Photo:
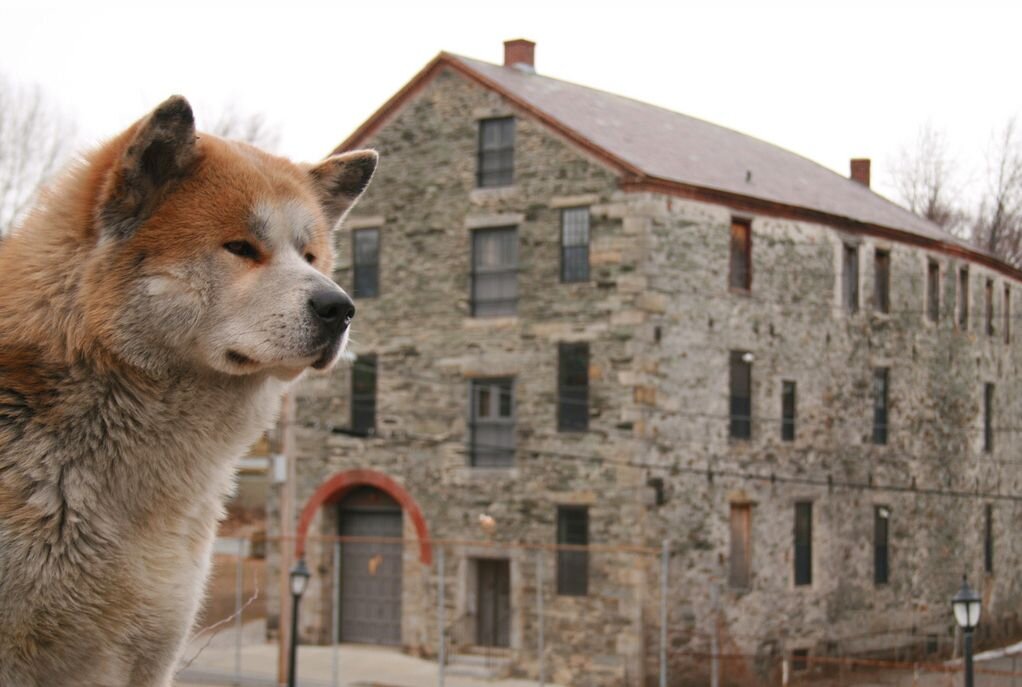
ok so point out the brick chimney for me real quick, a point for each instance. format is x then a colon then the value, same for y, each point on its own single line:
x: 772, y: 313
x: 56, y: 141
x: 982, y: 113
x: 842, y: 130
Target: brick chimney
x: 860, y: 170
x: 520, y: 53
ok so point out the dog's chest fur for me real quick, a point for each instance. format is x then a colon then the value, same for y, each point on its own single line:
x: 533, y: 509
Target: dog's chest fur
x: 110, y: 493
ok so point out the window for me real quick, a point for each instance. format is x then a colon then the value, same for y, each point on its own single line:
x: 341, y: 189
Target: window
x: 882, y: 281
x: 787, y: 410
x: 572, y: 387
x: 741, y: 545
x: 881, y: 550
x: 741, y: 395
x: 933, y: 290
x: 572, y: 564
x: 988, y: 539
x: 492, y: 423
x: 363, y: 395
x: 803, y: 543
x: 880, y: 394
x: 850, y: 278
x: 988, y: 413
x: 575, y: 244
x: 366, y: 263
x: 496, y: 152
x: 963, y: 298
x: 1007, y: 314
x: 494, y: 272
x: 741, y: 255
x: 988, y: 294
x: 799, y: 660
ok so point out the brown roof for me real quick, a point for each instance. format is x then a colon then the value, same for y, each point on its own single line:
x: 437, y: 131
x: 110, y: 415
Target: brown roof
x: 657, y: 149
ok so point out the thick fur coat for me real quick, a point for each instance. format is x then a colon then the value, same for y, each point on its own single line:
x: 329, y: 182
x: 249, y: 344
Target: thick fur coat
x: 153, y: 308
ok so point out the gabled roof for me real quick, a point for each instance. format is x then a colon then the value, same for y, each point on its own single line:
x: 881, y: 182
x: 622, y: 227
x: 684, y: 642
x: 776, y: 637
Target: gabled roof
x: 660, y: 150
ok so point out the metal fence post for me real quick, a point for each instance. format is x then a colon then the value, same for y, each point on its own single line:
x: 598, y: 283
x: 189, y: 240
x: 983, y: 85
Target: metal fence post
x: 539, y: 616
x: 442, y: 658
x: 239, y: 583
x: 664, y: 565
x: 335, y: 620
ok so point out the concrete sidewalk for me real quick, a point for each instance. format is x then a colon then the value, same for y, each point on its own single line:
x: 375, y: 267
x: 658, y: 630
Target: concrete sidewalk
x: 359, y: 666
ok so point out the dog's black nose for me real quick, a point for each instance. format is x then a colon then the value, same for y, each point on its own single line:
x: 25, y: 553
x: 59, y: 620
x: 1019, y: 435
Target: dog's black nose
x: 332, y: 307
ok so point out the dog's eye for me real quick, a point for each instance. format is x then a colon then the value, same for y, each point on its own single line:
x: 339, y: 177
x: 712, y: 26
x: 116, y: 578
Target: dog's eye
x: 310, y: 258
x: 243, y: 249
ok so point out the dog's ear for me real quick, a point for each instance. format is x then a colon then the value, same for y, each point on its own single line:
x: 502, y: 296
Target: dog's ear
x: 160, y: 151
x: 340, y: 180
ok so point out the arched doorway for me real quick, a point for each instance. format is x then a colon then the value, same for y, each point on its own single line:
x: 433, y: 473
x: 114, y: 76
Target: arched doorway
x: 371, y: 570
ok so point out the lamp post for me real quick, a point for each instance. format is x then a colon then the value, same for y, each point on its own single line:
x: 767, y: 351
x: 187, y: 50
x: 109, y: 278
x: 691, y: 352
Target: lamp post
x: 299, y: 580
x: 966, y: 605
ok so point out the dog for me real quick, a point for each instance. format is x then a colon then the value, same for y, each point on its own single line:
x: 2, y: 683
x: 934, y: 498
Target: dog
x: 155, y: 304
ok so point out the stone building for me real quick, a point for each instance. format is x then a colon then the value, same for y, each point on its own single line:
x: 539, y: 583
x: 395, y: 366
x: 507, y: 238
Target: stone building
x: 600, y: 322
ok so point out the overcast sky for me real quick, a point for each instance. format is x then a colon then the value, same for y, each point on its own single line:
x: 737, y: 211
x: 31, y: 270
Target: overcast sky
x: 828, y: 80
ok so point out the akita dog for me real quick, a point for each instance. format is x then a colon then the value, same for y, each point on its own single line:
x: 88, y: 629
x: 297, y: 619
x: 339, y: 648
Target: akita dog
x: 153, y: 308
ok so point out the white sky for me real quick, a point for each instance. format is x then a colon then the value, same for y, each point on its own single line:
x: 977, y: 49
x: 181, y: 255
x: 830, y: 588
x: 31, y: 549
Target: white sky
x: 829, y: 80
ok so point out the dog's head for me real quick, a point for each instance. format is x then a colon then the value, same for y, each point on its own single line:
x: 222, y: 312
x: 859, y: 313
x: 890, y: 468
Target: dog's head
x: 212, y: 253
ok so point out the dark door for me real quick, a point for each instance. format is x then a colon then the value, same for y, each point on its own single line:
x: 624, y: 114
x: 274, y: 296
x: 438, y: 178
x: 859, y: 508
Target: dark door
x: 370, y: 609
x: 494, y: 597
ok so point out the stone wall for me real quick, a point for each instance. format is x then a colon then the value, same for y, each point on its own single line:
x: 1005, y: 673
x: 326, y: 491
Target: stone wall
x: 661, y: 321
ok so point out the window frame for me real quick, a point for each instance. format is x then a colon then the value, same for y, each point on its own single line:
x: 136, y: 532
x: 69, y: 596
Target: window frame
x: 988, y: 538
x: 740, y: 251
x: 882, y: 286
x: 357, y: 266
x: 495, y: 386
x: 881, y: 405
x: 565, y: 246
x: 932, y: 290
x: 572, y: 400
x: 963, y: 298
x: 988, y: 305
x: 850, y: 277
x: 571, y: 561
x: 740, y: 427
x: 803, y: 551
x: 988, y: 417
x: 788, y: 415
x: 1007, y: 313
x: 740, y: 567
x: 477, y: 272
x: 502, y: 175
x: 881, y: 545
x: 367, y: 409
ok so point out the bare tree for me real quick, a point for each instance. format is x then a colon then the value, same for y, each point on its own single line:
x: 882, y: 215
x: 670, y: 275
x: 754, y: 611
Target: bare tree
x: 926, y: 176
x: 251, y: 128
x: 35, y: 141
x: 998, y: 223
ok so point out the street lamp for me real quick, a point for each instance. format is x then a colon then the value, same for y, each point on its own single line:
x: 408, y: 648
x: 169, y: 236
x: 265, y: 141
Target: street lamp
x: 966, y: 605
x: 299, y: 580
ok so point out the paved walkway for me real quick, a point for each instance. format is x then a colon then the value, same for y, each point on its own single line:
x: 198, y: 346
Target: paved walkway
x: 359, y: 666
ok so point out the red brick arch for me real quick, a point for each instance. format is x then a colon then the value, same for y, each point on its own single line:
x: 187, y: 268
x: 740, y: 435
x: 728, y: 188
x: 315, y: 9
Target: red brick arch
x: 335, y: 488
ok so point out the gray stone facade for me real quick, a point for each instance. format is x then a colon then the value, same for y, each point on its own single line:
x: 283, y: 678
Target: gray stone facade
x: 661, y: 321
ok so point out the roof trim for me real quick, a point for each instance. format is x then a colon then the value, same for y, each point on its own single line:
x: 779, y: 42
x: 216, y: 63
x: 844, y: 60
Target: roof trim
x: 636, y: 180
x: 795, y: 212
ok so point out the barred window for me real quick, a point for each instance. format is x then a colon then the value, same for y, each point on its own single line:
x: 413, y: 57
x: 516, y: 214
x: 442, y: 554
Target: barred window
x: 881, y: 550
x: 366, y: 263
x: 741, y: 395
x: 494, y: 272
x: 363, y: 395
x: 492, y: 424
x: 572, y: 387
x: 787, y: 410
x: 741, y: 255
x: 572, y: 564
x: 803, y: 543
x: 880, y: 398
x: 850, y: 278
x: 933, y: 290
x: 575, y: 244
x: 496, y: 152
x: 882, y: 281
